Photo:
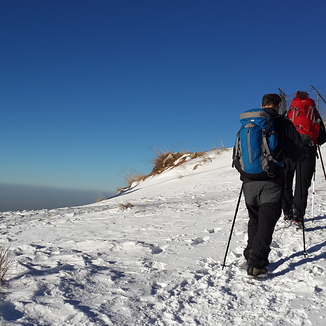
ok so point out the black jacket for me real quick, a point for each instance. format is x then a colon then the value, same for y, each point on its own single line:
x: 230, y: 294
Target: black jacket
x: 290, y: 145
x: 322, y: 132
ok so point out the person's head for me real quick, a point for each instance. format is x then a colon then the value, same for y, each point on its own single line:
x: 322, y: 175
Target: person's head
x: 300, y: 94
x: 271, y: 101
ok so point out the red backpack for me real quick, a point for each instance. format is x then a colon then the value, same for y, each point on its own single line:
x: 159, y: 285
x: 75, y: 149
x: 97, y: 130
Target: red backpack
x: 305, y: 117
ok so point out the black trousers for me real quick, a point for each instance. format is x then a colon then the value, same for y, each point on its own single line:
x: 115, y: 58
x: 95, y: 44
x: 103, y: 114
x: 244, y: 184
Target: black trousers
x: 264, y: 204
x: 297, y: 201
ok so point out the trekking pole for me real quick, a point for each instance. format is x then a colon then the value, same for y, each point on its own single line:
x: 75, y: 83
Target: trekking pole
x: 303, y: 225
x: 304, y: 238
x: 284, y: 101
x: 235, y: 215
x: 313, y: 196
x: 318, y: 94
x: 321, y: 160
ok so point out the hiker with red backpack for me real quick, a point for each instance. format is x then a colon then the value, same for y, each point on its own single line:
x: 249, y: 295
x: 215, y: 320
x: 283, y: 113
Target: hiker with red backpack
x: 305, y: 117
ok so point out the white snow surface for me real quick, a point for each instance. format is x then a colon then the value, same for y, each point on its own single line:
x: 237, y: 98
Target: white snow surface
x: 153, y: 256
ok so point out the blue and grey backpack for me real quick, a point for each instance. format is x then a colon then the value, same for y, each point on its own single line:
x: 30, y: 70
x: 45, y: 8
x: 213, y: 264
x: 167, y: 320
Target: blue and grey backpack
x: 255, y: 143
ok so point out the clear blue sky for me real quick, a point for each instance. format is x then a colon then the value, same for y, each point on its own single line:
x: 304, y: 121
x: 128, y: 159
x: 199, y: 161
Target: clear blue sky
x: 90, y: 89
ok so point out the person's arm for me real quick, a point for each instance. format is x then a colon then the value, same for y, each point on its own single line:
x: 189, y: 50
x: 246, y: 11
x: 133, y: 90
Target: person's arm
x: 322, y: 132
x: 294, y: 149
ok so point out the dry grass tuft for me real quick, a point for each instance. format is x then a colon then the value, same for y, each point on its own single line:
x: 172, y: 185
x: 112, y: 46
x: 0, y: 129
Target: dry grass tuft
x: 134, y: 178
x: 166, y: 160
x: 124, y: 206
x: 4, y: 263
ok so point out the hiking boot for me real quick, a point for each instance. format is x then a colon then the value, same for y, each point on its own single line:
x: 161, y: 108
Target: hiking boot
x: 297, y: 221
x: 288, y: 216
x: 297, y: 224
x: 256, y: 272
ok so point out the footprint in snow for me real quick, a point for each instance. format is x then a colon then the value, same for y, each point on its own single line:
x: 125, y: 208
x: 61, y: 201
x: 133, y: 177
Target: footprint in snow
x: 156, y: 250
x: 199, y: 240
x: 215, y: 230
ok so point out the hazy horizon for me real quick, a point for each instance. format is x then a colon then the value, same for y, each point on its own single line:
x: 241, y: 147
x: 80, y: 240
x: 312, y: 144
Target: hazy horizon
x: 15, y: 197
x: 92, y: 90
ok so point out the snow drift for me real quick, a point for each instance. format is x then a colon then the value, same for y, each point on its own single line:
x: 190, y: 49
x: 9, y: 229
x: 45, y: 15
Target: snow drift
x: 152, y: 256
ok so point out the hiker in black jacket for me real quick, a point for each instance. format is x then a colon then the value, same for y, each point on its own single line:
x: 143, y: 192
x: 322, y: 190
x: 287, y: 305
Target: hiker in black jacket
x: 305, y: 117
x: 263, y: 196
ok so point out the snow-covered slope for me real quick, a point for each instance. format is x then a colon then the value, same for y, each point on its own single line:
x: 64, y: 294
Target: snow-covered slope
x: 153, y: 255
